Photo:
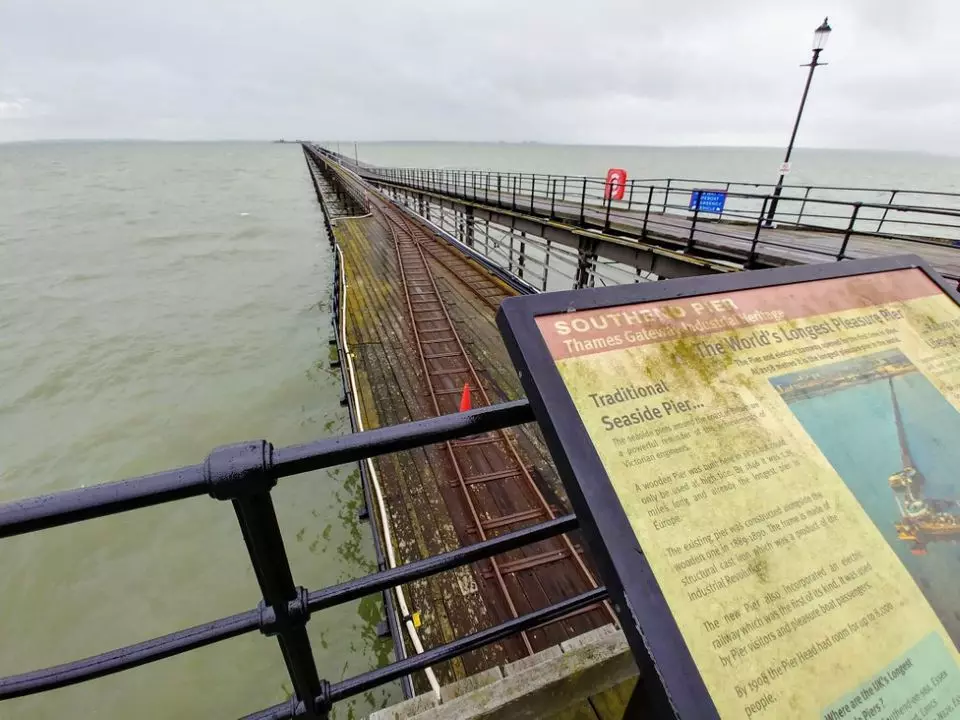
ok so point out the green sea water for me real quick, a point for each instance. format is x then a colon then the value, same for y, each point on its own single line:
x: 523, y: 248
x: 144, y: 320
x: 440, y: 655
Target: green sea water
x: 158, y: 300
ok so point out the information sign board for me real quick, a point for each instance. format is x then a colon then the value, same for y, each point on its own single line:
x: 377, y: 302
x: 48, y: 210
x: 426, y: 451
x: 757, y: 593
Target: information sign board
x: 708, y: 200
x: 765, y: 467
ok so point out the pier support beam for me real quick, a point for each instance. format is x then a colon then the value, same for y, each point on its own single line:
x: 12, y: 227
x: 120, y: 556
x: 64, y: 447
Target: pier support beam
x: 587, y: 263
x: 468, y: 227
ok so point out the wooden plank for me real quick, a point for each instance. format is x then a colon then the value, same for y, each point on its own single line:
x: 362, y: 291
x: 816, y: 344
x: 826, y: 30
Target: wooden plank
x: 612, y: 704
x: 549, y: 688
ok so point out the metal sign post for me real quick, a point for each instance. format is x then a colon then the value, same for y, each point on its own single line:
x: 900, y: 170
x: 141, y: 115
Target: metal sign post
x: 724, y: 442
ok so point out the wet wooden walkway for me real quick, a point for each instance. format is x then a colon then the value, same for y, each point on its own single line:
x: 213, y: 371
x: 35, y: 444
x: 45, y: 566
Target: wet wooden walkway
x: 405, y: 291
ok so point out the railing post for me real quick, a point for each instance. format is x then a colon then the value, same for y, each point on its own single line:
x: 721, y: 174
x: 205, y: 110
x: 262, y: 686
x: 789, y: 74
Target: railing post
x: 533, y: 190
x: 583, y: 200
x: 486, y: 189
x: 666, y: 196
x: 646, y: 214
x: 499, y: 201
x: 521, y: 260
x: 563, y: 194
x: 630, y: 197
x: 606, y: 220
x: 756, y: 234
x: 803, y: 206
x: 893, y: 194
x: 693, y: 225
x: 546, y: 263
x: 553, y: 198
x: 515, y: 192
x: 243, y: 474
x: 587, y: 256
x: 846, y: 236
x: 726, y: 191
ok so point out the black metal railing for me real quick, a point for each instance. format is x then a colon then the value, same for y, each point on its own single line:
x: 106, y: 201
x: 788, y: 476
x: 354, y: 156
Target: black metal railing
x: 245, y: 474
x: 815, y: 206
x: 653, y: 213
x: 827, y: 207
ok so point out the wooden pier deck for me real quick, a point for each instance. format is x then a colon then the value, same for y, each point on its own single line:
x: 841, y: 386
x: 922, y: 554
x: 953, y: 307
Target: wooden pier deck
x: 419, y: 322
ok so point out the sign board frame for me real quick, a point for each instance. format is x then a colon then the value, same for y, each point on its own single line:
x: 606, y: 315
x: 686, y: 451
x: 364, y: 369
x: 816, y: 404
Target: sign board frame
x: 670, y: 680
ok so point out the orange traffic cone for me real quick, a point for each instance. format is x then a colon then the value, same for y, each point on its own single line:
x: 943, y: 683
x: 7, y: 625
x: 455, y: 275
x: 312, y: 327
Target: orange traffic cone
x: 465, y: 398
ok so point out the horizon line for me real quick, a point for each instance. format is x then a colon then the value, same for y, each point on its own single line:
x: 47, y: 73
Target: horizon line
x: 279, y: 140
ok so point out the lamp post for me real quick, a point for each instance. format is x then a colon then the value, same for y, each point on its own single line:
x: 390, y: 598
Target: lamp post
x: 820, y: 36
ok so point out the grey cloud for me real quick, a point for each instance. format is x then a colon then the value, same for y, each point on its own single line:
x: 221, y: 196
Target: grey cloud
x: 697, y: 72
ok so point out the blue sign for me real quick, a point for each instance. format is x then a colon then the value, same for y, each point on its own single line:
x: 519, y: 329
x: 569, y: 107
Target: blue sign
x: 708, y: 200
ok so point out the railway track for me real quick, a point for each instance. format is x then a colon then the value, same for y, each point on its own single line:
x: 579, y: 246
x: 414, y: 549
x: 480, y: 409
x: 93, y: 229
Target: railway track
x: 488, y: 290
x: 499, y: 490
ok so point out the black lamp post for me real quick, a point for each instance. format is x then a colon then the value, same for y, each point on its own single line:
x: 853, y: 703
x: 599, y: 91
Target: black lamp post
x: 820, y: 36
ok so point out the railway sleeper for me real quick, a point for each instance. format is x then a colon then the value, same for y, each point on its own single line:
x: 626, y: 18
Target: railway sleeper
x: 492, y: 476
x: 527, y: 563
x: 505, y: 520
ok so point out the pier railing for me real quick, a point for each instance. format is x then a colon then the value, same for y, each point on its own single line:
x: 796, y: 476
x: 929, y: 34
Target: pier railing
x: 244, y: 474
x: 664, y: 207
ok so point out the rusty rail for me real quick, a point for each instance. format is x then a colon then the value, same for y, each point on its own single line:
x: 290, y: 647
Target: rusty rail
x: 447, y: 368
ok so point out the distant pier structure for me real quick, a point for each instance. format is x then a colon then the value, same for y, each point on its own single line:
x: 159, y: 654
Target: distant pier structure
x: 424, y: 258
x: 417, y: 322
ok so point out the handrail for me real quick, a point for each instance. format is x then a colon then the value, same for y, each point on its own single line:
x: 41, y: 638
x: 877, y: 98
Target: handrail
x: 646, y: 181
x: 517, y: 204
x: 245, y: 473
x: 70, y: 506
x: 667, y: 215
x: 646, y: 185
x: 803, y: 186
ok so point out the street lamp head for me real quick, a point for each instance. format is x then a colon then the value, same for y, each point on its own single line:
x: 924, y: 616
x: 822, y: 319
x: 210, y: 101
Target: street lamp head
x: 821, y: 34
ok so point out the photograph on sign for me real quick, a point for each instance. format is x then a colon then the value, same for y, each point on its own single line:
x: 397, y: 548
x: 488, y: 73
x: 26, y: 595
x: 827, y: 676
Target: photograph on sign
x: 786, y: 457
x: 877, y: 412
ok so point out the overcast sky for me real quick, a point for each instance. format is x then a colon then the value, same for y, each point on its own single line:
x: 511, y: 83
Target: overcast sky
x: 690, y: 72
